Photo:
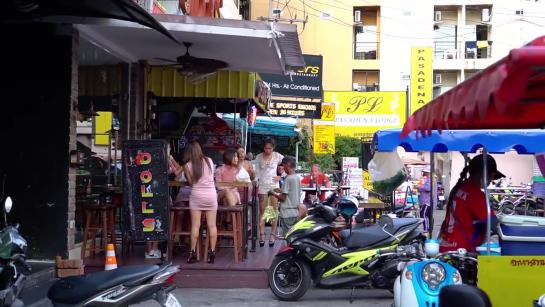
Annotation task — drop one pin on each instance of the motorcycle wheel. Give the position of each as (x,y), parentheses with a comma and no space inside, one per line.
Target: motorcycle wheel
(289,279)
(507,208)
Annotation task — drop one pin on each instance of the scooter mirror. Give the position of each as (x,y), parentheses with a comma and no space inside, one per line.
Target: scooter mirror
(8,204)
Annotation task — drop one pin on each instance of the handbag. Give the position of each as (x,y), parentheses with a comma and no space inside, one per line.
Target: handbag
(270,214)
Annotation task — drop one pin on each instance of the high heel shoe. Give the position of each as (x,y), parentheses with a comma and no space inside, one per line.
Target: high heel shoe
(271,242)
(261,242)
(211,256)
(192,257)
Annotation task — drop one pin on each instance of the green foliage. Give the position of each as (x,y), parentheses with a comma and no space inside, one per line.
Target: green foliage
(305,150)
(326,162)
(346,146)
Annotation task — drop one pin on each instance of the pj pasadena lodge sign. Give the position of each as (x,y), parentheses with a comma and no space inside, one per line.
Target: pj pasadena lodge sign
(146,189)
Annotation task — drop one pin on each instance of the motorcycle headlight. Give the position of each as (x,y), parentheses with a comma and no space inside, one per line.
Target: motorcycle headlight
(433,274)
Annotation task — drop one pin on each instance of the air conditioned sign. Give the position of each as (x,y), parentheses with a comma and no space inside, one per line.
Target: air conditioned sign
(305,83)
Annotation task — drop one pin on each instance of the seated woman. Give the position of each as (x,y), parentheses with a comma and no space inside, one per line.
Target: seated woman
(228,173)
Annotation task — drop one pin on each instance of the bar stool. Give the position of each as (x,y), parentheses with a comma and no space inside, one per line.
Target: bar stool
(235,233)
(98,217)
(174,222)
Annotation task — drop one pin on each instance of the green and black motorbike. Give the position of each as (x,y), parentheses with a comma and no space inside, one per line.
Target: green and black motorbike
(371,257)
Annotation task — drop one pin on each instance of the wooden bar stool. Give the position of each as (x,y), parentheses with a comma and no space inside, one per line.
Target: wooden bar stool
(97,218)
(174,222)
(235,233)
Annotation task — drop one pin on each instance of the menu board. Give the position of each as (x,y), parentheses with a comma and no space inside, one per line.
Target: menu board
(145,178)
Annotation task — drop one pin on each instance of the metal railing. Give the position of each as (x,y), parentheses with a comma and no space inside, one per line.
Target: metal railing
(366,50)
(455,50)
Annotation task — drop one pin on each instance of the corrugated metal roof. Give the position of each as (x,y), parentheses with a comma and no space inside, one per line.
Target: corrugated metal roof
(290,47)
(167,82)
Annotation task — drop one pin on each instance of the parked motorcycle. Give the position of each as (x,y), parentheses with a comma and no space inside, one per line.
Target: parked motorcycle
(370,257)
(118,287)
(421,281)
(12,256)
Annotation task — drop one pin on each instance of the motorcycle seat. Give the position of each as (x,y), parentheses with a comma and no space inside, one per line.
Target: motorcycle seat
(371,235)
(77,289)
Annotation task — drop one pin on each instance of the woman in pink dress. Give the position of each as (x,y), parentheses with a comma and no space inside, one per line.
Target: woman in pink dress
(228,173)
(200,175)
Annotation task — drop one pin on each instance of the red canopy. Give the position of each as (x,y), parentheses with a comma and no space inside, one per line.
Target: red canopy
(509,94)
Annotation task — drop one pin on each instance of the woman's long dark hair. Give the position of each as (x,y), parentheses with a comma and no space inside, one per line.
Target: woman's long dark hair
(196,157)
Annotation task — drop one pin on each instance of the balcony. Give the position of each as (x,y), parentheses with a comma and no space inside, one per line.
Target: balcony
(454,50)
(366,50)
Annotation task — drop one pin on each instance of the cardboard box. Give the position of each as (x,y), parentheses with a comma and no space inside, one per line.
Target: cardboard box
(68,263)
(61,273)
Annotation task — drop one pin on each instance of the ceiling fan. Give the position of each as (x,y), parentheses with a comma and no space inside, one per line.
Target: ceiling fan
(189,65)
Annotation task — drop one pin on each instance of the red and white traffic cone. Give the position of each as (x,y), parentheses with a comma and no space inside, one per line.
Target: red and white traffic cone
(111,261)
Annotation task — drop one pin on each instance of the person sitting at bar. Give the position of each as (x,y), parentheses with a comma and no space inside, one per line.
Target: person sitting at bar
(228,173)
(247,164)
(316,177)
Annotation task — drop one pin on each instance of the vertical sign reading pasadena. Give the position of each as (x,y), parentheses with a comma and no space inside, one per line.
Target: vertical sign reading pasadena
(146,189)
(421,77)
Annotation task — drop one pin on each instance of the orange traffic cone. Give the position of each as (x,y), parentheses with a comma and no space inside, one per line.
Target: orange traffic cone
(111,262)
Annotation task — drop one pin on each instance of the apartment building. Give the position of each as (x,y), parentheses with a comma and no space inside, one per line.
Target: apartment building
(366,44)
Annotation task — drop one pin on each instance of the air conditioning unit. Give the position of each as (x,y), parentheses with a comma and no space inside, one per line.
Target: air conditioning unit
(485,15)
(438,79)
(357,17)
(356,87)
(438,16)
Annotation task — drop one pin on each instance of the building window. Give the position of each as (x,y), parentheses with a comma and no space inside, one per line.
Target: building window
(366,33)
(477,32)
(366,80)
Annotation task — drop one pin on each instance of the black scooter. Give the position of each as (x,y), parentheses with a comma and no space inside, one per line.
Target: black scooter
(118,287)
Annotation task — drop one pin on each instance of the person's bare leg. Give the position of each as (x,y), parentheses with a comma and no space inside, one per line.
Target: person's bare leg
(195,226)
(212,233)
(272,238)
(262,206)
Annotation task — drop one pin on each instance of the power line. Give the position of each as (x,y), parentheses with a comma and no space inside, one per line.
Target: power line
(342,23)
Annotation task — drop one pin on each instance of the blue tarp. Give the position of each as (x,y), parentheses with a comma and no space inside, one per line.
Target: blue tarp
(265,125)
(527,141)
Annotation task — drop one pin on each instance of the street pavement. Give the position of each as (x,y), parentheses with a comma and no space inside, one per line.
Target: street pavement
(189,297)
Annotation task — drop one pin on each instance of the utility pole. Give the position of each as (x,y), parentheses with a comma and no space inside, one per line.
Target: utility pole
(274,16)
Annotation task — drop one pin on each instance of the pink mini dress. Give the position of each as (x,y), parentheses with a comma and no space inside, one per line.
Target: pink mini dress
(227,173)
(203,192)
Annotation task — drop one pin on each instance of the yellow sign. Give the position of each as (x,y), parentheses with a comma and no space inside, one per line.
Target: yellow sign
(328,111)
(359,114)
(512,280)
(421,77)
(103,124)
(367,183)
(324,138)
